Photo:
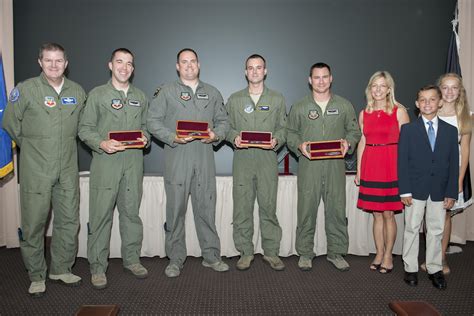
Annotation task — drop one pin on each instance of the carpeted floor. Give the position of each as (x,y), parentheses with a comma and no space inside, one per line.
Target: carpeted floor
(260,290)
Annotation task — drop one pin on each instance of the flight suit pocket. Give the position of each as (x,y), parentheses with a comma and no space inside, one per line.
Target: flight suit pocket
(35,184)
(134,117)
(201,103)
(266,120)
(334,119)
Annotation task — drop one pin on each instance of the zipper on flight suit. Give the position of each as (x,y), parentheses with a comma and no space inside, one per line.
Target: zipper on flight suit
(59,149)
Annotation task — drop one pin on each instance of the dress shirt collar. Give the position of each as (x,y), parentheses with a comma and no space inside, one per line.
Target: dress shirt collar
(435,123)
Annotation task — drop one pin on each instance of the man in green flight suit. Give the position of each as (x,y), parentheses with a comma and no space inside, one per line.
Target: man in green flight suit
(116,173)
(42,118)
(189,163)
(322,116)
(255,169)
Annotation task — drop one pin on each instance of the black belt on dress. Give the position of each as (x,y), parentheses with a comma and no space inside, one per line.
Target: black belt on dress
(389,144)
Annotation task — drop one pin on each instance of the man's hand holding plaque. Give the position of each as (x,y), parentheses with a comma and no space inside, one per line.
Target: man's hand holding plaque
(212,137)
(121,140)
(303,147)
(111,146)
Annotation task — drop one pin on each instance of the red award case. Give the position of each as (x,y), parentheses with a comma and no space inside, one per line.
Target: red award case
(331,149)
(130,139)
(255,139)
(194,129)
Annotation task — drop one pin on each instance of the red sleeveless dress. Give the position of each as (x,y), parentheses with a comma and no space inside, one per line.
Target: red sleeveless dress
(378,189)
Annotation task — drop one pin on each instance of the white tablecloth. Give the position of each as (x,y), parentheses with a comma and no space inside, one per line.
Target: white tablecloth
(152,213)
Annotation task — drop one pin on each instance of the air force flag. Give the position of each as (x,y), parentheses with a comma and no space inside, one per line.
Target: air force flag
(6,161)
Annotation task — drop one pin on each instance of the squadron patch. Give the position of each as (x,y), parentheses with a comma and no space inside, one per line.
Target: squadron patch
(14,95)
(313,114)
(116,104)
(68,101)
(49,102)
(248,109)
(332,112)
(263,108)
(185,96)
(202,96)
(134,103)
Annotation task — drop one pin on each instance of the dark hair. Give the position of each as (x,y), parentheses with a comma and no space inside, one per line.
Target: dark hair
(254,56)
(429,87)
(186,50)
(121,50)
(51,47)
(319,66)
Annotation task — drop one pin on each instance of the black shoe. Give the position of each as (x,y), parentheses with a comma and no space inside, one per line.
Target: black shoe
(411,278)
(438,280)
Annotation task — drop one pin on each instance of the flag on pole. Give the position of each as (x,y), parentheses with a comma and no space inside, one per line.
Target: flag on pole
(6,158)
(452,62)
(452,65)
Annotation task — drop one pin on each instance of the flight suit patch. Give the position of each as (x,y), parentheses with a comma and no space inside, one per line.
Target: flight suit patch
(313,114)
(14,95)
(264,108)
(49,102)
(134,103)
(332,112)
(248,109)
(68,101)
(116,104)
(185,96)
(202,96)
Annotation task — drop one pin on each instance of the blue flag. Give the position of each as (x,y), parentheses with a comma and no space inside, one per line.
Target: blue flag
(452,65)
(6,159)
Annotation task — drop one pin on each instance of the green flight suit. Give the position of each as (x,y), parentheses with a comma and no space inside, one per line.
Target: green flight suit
(255,170)
(322,178)
(189,168)
(44,125)
(115,179)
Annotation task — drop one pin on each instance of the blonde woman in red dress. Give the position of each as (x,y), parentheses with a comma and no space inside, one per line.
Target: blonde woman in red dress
(380,123)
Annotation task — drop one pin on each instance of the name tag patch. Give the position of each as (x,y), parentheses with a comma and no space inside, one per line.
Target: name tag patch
(202,96)
(68,101)
(332,112)
(264,108)
(133,102)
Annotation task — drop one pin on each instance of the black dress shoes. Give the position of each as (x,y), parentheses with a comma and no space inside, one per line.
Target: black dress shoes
(411,278)
(438,280)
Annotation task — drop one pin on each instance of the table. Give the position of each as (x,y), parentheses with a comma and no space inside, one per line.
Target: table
(152,213)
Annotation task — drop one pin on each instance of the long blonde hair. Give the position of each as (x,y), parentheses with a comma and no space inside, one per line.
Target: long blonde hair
(391,102)
(461,106)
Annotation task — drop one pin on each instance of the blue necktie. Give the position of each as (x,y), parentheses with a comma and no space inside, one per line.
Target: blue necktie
(431,134)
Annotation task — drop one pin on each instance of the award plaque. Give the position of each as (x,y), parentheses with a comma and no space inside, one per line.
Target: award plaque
(194,129)
(129,139)
(255,139)
(331,149)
